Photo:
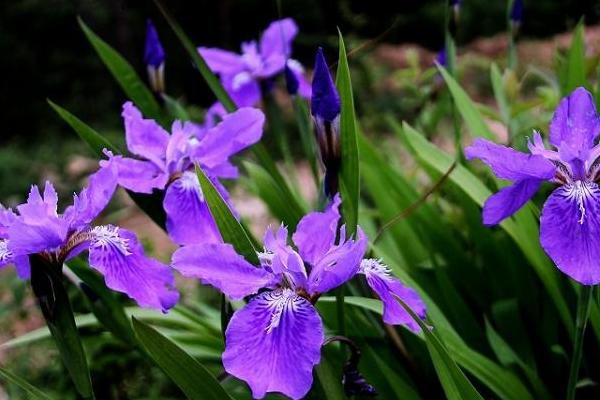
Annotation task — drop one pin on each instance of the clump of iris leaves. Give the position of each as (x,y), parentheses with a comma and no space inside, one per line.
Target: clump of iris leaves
(503,318)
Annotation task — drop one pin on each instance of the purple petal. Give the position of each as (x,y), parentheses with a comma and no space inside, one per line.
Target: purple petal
(243,88)
(509,200)
(137,175)
(277,39)
(154,53)
(570,230)
(325,101)
(7,217)
(117,254)
(234,133)
(222,61)
(510,164)
(22,266)
(189,220)
(280,258)
(386,286)
(220,266)
(316,232)
(273,343)
(575,124)
(93,199)
(338,265)
(296,72)
(6,256)
(145,138)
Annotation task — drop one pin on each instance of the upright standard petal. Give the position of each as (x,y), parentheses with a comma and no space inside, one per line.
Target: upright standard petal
(220,266)
(277,38)
(273,343)
(510,164)
(316,232)
(117,254)
(386,286)
(338,265)
(575,124)
(570,230)
(137,175)
(93,199)
(325,101)
(189,220)
(222,61)
(145,138)
(233,134)
(509,200)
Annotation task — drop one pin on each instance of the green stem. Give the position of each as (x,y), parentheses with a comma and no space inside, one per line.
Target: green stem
(339,302)
(583,312)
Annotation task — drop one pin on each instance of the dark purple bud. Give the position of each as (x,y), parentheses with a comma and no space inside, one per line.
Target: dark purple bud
(516,11)
(325,101)
(355,384)
(154,55)
(442,58)
(291,81)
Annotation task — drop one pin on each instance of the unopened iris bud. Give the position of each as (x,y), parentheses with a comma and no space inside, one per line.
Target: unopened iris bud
(325,109)
(154,58)
(291,81)
(516,16)
(442,58)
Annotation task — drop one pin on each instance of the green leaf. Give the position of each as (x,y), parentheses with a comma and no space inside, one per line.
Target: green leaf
(573,70)
(349,173)
(455,383)
(124,74)
(499,93)
(189,375)
(32,392)
(466,107)
(103,302)
(522,227)
(209,77)
(52,298)
(231,230)
(96,141)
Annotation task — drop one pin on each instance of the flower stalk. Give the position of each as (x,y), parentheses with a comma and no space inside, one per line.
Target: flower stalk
(584,304)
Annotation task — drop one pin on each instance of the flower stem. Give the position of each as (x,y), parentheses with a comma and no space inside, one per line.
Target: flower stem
(583,312)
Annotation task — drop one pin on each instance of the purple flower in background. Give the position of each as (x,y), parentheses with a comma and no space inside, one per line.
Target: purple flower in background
(325,109)
(242,74)
(166,162)
(38,229)
(274,341)
(442,58)
(516,12)
(154,58)
(570,219)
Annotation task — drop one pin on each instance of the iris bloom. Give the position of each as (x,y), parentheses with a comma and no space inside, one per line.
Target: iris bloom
(570,218)
(166,162)
(154,58)
(38,229)
(259,62)
(275,340)
(325,108)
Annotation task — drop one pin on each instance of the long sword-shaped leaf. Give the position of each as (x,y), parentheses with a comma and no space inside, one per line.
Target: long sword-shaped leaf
(350,183)
(124,74)
(32,392)
(231,230)
(189,375)
(572,73)
(52,298)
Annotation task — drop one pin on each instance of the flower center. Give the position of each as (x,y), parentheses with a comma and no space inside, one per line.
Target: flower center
(105,236)
(281,300)
(5,253)
(578,192)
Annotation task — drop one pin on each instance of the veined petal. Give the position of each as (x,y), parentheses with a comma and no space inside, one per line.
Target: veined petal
(145,137)
(117,254)
(338,265)
(570,230)
(137,175)
(189,220)
(316,232)
(7,217)
(220,266)
(273,343)
(233,134)
(575,124)
(222,61)
(510,164)
(386,286)
(6,256)
(509,200)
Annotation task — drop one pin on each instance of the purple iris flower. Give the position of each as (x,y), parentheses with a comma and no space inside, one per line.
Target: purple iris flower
(275,340)
(570,218)
(154,58)
(166,162)
(113,251)
(242,74)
